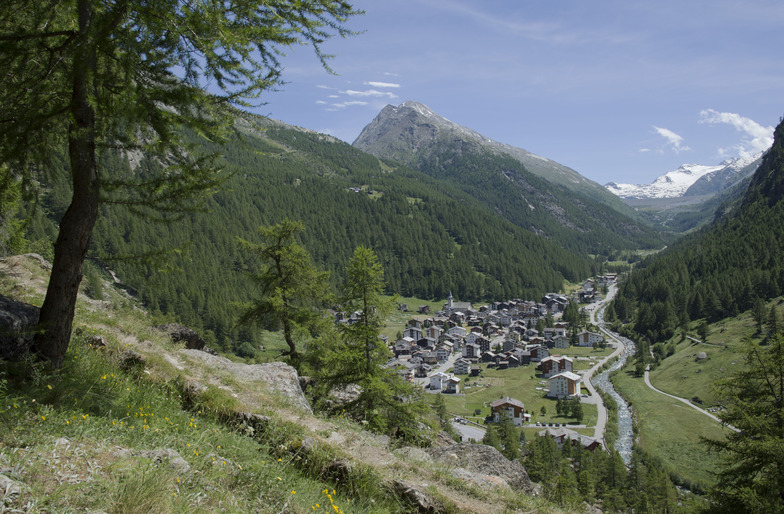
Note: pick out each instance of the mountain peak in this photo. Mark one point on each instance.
(690, 179)
(411, 132)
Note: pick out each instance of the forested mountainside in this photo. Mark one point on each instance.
(532, 192)
(430, 236)
(720, 270)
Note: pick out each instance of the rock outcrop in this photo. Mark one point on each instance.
(483, 460)
(17, 325)
(181, 333)
(279, 376)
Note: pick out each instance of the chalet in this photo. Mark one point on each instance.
(509, 345)
(484, 344)
(414, 333)
(551, 366)
(422, 370)
(414, 323)
(586, 338)
(524, 356)
(538, 352)
(488, 356)
(513, 408)
(427, 343)
(565, 385)
(438, 380)
(443, 352)
(551, 332)
(423, 309)
(434, 332)
(462, 367)
(403, 347)
(563, 436)
(502, 364)
(471, 351)
(561, 342)
(430, 358)
(513, 361)
(452, 385)
(457, 331)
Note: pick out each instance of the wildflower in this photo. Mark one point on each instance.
(279, 478)
(48, 386)
(293, 492)
(43, 418)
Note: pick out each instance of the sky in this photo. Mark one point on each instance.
(620, 91)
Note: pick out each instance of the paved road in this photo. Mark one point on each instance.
(469, 431)
(593, 310)
(440, 368)
(682, 400)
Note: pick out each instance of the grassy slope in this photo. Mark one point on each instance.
(683, 375)
(671, 430)
(103, 415)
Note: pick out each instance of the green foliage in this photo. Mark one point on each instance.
(752, 475)
(572, 475)
(127, 77)
(354, 356)
(720, 271)
(291, 288)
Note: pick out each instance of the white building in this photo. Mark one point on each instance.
(565, 385)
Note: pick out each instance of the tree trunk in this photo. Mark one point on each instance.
(57, 312)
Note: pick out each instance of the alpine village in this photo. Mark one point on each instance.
(207, 310)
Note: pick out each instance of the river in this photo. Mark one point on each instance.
(625, 433)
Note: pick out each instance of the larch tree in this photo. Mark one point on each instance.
(751, 477)
(291, 289)
(130, 76)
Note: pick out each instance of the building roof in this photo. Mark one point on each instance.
(507, 401)
(568, 375)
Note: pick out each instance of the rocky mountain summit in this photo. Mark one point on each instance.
(412, 132)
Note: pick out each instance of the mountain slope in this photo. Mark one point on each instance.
(535, 193)
(430, 236)
(690, 180)
(719, 271)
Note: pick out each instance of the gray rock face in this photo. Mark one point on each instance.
(280, 377)
(179, 333)
(484, 460)
(17, 324)
(415, 495)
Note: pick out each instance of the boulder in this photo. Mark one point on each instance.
(484, 460)
(181, 333)
(417, 497)
(17, 327)
(279, 376)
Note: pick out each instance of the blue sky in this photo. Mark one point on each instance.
(620, 91)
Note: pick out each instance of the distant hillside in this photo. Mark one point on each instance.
(720, 270)
(533, 192)
(430, 236)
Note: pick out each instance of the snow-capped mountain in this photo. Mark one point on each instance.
(676, 183)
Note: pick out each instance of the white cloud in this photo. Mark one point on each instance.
(644, 150)
(343, 105)
(756, 137)
(382, 84)
(369, 93)
(674, 140)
